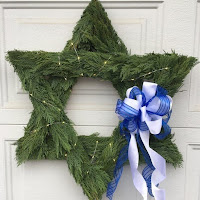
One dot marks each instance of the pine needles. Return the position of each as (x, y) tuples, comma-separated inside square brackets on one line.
[(49, 78)]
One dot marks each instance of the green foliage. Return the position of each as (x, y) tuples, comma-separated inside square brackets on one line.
[(95, 33), (50, 134)]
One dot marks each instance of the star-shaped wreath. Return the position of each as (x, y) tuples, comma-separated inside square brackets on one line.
[(95, 50)]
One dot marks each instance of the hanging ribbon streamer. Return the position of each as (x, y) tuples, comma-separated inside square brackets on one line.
[(143, 112)]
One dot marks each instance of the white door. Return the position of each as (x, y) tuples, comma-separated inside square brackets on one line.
[(145, 26)]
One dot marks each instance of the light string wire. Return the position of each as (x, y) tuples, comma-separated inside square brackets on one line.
[(78, 57), (110, 145), (49, 124), (63, 122), (149, 73), (94, 152), (106, 61), (44, 102), (93, 156)]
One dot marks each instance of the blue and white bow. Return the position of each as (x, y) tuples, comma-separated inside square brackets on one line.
[(143, 112)]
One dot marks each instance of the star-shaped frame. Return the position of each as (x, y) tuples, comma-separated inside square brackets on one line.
[(95, 50)]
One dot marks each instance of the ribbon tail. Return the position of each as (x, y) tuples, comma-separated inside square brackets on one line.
[(133, 157), (159, 174), (123, 157)]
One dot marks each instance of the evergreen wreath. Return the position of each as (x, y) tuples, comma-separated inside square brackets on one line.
[(95, 50)]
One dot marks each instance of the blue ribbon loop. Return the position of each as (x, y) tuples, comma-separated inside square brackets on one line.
[(132, 123)]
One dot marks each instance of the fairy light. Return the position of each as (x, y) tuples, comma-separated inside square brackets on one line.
[(44, 102), (47, 125), (110, 144), (97, 142), (78, 57), (149, 73), (106, 61)]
